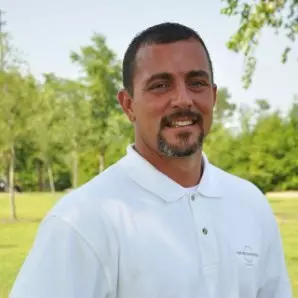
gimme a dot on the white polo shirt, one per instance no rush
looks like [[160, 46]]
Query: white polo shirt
[[132, 232]]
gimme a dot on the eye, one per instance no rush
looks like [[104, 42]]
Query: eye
[[197, 84], [160, 85]]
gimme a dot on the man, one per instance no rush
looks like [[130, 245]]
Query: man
[[162, 221]]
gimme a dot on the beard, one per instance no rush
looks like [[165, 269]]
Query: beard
[[182, 148]]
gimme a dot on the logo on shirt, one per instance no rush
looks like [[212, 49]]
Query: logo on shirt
[[249, 256]]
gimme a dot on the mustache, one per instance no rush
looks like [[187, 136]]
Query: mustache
[[195, 116]]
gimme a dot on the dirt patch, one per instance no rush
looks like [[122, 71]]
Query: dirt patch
[[281, 220], [286, 216]]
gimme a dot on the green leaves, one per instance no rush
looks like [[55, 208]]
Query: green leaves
[[102, 78], [56, 124], [64, 130], [224, 109], [17, 93], [281, 15], [263, 151]]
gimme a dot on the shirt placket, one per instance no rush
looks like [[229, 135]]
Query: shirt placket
[[206, 241]]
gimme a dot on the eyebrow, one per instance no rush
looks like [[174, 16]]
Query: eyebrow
[[198, 73], [159, 76]]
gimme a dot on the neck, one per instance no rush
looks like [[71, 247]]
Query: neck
[[185, 171]]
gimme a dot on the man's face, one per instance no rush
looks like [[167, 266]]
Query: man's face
[[173, 98]]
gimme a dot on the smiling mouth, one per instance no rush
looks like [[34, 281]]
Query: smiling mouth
[[181, 123]]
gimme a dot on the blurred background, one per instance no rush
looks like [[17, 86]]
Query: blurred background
[[60, 124]]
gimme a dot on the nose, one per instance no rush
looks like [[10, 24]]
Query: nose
[[182, 97]]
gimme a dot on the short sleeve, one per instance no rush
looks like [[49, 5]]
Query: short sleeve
[[275, 281], [60, 264]]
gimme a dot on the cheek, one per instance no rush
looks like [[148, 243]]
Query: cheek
[[208, 115], [152, 109], [205, 106], [147, 118]]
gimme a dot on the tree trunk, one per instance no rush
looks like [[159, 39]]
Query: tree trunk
[[101, 164], [74, 169], [51, 178], [11, 183], [40, 176]]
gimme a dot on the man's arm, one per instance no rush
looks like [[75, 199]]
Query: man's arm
[[61, 264], [275, 281]]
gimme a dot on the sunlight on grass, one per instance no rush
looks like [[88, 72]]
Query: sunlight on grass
[[17, 237]]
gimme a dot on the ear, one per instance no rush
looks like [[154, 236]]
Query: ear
[[214, 89], [126, 102]]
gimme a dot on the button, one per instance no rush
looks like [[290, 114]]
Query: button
[[193, 197], [205, 231]]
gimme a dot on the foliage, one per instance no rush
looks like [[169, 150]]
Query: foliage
[[262, 150], [281, 15], [66, 131], [102, 78]]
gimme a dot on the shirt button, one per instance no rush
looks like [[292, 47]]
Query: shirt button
[[205, 231], [193, 197]]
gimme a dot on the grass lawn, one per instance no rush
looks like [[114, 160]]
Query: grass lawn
[[16, 237]]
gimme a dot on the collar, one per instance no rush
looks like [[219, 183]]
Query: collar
[[151, 179]]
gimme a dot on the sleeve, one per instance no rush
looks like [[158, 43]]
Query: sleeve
[[275, 282], [60, 264]]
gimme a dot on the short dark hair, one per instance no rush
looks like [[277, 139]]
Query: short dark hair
[[159, 34]]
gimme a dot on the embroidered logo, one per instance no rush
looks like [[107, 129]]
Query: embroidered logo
[[249, 256]]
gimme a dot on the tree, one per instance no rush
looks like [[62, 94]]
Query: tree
[[17, 94], [262, 106], [281, 15], [290, 166], [219, 141], [45, 132], [13, 88], [224, 108], [76, 121], [10, 57], [102, 77]]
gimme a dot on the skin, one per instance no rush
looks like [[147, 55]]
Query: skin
[[171, 78]]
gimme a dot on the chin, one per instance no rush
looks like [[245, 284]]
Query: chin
[[178, 150]]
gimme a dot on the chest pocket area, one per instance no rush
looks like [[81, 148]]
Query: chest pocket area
[[248, 253], [240, 256]]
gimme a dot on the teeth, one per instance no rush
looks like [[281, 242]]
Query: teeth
[[182, 123]]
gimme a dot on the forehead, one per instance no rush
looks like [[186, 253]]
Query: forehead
[[178, 58]]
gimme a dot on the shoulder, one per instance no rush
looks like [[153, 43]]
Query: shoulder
[[85, 208], [244, 201], [239, 192], [231, 183], [90, 196]]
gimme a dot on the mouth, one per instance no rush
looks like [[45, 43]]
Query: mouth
[[181, 123]]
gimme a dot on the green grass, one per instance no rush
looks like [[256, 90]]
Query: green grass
[[16, 237], [286, 211]]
